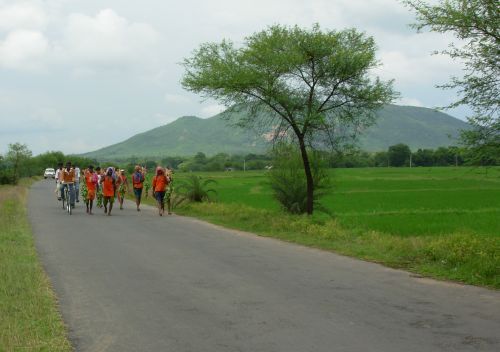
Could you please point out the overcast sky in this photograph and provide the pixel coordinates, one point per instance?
(77, 75)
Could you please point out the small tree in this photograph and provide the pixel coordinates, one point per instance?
(381, 159)
(399, 154)
(18, 155)
(423, 157)
(313, 87)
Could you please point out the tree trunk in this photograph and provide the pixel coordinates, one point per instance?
(309, 178)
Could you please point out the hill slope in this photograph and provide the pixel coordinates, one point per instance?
(414, 126)
(417, 127)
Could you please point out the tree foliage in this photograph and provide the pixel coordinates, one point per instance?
(399, 154)
(314, 87)
(18, 155)
(476, 23)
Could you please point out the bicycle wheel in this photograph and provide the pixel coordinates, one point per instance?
(63, 200)
(68, 203)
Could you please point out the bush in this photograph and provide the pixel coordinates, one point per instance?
(194, 189)
(288, 180)
(7, 177)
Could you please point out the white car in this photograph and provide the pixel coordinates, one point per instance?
(49, 172)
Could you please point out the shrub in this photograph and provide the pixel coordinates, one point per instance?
(288, 180)
(194, 189)
(7, 177)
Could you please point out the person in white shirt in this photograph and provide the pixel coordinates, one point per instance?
(58, 182)
(77, 183)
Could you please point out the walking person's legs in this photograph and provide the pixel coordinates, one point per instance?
(105, 201)
(63, 186)
(138, 195)
(120, 200)
(111, 201)
(160, 200)
(72, 194)
(77, 191)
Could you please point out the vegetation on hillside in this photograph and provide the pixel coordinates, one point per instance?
(415, 126)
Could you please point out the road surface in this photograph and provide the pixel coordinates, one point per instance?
(139, 282)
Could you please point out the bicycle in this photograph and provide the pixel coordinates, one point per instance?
(66, 200)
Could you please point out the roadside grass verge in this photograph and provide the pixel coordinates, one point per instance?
(29, 319)
(464, 257)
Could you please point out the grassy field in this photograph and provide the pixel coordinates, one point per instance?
(441, 222)
(399, 201)
(29, 320)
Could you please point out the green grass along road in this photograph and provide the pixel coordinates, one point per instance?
(29, 320)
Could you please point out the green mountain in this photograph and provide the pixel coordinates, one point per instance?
(417, 127)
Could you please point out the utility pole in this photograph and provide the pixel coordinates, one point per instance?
(410, 160)
(244, 165)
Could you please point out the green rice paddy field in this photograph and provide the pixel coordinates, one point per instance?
(397, 201)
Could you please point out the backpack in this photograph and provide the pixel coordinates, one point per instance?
(137, 177)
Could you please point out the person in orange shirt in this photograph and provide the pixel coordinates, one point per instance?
(67, 179)
(108, 190)
(91, 182)
(160, 183)
(138, 179)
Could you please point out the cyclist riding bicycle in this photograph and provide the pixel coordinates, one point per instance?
(57, 177)
(67, 179)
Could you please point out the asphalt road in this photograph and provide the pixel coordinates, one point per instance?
(140, 282)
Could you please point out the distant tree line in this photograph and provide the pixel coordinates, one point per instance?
(400, 155)
(201, 162)
(19, 162)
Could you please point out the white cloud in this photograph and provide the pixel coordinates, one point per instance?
(409, 102)
(161, 119)
(84, 44)
(113, 65)
(83, 72)
(408, 70)
(24, 49)
(212, 110)
(48, 117)
(22, 15)
(107, 39)
(176, 99)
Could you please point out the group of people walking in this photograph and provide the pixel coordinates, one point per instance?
(106, 185)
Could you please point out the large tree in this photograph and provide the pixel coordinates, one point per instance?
(315, 87)
(476, 23)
